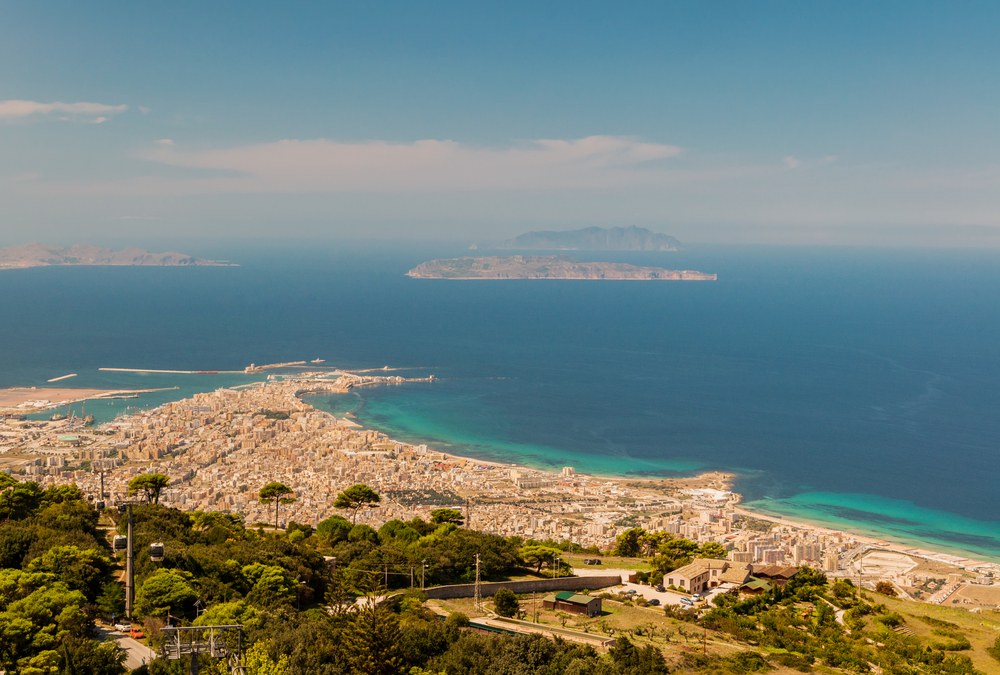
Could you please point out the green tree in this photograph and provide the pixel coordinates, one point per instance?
(356, 498)
(165, 590)
(628, 544)
(994, 651)
(57, 494)
(372, 641)
(82, 570)
(712, 549)
(81, 655)
(150, 485)
(505, 602)
(258, 661)
(453, 516)
(538, 556)
(111, 600)
(18, 500)
(334, 529)
(885, 588)
(277, 493)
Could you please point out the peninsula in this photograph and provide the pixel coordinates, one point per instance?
(547, 267)
(593, 239)
(42, 255)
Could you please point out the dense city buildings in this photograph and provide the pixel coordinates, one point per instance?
(220, 448)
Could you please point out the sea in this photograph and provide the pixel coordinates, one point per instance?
(853, 388)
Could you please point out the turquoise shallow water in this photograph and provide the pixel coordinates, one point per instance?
(894, 519)
(872, 376)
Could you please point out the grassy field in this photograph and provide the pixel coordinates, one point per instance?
(607, 561)
(649, 625)
(981, 629)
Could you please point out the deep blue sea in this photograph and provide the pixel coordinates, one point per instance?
(853, 387)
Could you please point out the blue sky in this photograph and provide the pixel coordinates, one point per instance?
(805, 122)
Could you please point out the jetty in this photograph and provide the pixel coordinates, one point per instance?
(168, 372)
(254, 368)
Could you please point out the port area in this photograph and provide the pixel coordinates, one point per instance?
(24, 400)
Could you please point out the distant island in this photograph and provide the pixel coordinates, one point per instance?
(547, 267)
(41, 255)
(593, 239)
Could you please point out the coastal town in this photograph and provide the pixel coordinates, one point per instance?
(219, 449)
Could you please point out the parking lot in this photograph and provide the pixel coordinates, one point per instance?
(665, 597)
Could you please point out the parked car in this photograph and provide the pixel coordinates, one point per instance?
(661, 588)
(655, 602)
(591, 561)
(136, 634)
(687, 601)
(123, 627)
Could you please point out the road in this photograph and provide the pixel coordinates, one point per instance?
(136, 652)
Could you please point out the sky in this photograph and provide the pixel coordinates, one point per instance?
(824, 122)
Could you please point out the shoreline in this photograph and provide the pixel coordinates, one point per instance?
(33, 400)
(690, 479)
(872, 538)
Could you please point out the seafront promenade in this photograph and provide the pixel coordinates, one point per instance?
(219, 448)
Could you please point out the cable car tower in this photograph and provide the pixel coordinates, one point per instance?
(218, 642)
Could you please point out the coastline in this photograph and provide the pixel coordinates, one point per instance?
(871, 537)
(694, 479)
(29, 400)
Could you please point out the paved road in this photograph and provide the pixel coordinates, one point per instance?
(136, 652)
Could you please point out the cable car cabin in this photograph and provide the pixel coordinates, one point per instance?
(120, 542)
(156, 552)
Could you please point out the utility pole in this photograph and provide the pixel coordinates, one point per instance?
(861, 568)
(423, 569)
(129, 566)
(478, 598)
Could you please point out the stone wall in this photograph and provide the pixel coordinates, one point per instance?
(530, 586)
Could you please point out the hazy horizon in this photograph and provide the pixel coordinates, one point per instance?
(744, 123)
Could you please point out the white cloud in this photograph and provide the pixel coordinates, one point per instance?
(15, 109)
(322, 165)
(791, 162)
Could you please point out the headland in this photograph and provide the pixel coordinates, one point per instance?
(42, 255)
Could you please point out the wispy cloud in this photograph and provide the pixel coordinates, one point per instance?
(322, 165)
(96, 113)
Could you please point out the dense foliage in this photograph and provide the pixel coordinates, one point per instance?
(55, 576)
(296, 593)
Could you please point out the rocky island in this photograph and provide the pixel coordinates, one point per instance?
(41, 255)
(593, 239)
(547, 267)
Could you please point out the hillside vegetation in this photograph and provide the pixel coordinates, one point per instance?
(294, 591)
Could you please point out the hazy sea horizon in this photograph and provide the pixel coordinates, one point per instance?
(854, 388)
